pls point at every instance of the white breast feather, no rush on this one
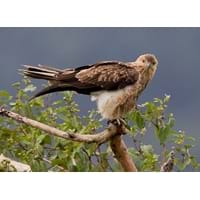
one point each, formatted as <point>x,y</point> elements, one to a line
<point>107,102</point>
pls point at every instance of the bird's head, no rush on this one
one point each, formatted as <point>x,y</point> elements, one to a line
<point>149,60</point>
<point>148,63</point>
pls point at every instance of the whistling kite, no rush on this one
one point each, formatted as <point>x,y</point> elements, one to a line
<point>114,85</point>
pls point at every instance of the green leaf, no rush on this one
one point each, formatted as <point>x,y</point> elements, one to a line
<point>147,148</point>
<point>41,138</point>
<point>16,85</point>
<point>167,98</point>
<point>139,120</point>
<point>4,96</point>
<point>29,88</point>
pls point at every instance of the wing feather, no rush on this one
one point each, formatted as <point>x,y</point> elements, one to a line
<point>109,75</point>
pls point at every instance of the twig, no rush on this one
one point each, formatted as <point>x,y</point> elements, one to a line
<point>58,166</point>
<point>137,147</point>
<point>163,154</point>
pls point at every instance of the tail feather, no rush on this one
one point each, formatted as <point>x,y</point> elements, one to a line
<point>60,80</point>
<point>53,88</point>
<point>49,68</point>
<point>41,72</point>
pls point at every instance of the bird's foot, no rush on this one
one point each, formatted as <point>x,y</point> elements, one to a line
<point>118,122</point>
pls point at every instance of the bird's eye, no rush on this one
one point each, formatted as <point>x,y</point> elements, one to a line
<point>143,61</point>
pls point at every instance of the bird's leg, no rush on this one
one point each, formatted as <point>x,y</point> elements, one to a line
<point>118,122</point>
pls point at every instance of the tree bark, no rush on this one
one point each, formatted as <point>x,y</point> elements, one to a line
<point>121,154</point>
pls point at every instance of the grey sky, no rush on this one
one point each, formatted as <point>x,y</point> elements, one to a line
<point>177,49</point>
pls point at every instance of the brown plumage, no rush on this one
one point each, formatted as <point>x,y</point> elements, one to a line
<point>114,85</point>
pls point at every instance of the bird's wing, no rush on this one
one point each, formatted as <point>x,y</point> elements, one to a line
<point>107,75</point>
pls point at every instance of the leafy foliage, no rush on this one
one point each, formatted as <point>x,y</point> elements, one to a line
<point>48,153</point>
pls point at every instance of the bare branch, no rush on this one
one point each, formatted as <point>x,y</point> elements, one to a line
<point>98,138</point>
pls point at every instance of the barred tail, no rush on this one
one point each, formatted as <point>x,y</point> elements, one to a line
<point>53,76</point>
<point>41,72</point>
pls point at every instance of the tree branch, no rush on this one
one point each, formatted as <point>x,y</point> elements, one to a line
<point>121,153</point>
<point>97,138</point>
<point>112,133</point>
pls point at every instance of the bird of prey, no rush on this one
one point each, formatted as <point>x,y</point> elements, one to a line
<point>114,85</point>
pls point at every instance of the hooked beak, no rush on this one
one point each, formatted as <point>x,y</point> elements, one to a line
<point>149,65</point>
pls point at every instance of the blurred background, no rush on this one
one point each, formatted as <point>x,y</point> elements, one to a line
<point>177,49</point>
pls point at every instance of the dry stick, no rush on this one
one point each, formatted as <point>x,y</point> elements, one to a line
<point>112,132</point>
